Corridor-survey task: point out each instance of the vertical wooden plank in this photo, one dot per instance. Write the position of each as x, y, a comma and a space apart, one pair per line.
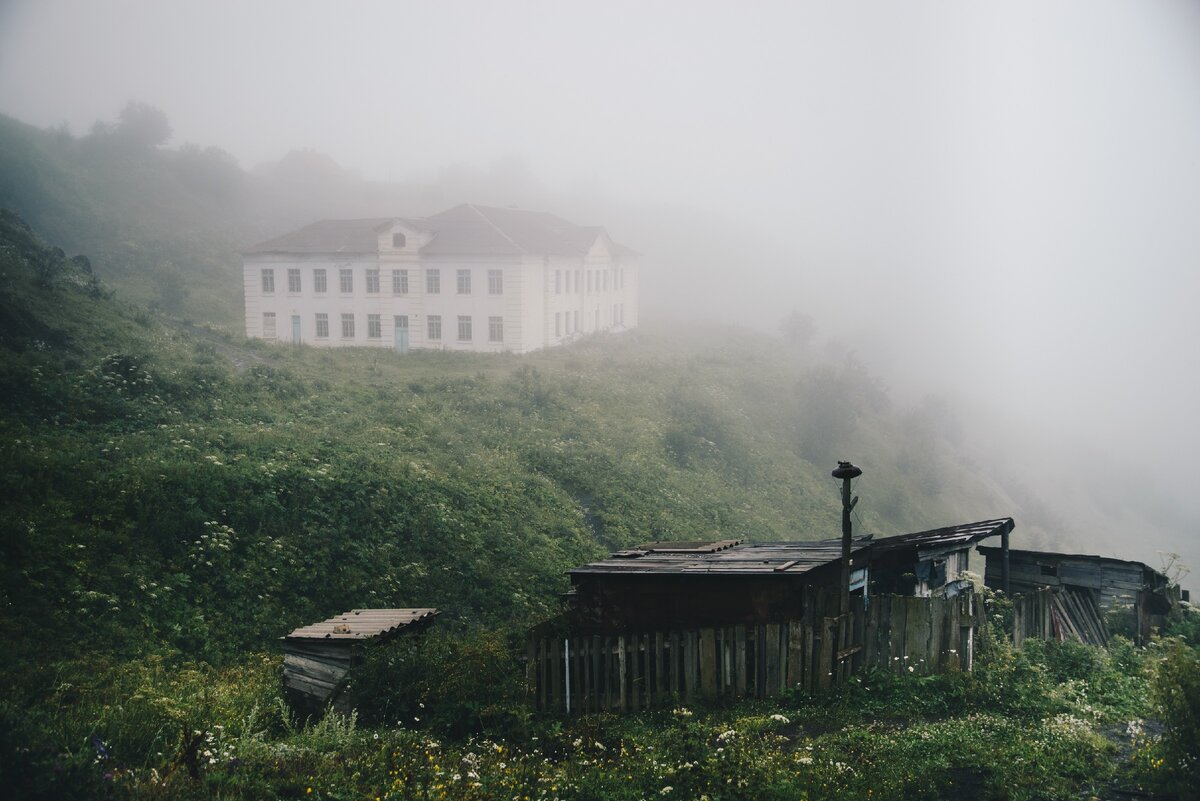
897, 626
937, 627
622, 667
795, 654
871, 635
810, 672
531, 670
726, 661
555, 661
675, 663
691, 655
739, 657
708, 663
597, 676
760, 661
916, 633
610, 673
772, 659
660, 679
636, 677
824, 663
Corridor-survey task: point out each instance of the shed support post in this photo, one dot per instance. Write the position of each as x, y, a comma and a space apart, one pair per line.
1004, 570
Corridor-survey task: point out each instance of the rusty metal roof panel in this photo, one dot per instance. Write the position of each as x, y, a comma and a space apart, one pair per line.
779, 558
362, 624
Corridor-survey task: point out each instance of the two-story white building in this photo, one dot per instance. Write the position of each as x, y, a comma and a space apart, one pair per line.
474, 278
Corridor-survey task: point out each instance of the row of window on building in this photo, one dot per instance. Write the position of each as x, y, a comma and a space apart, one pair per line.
597, 280
571, 318
433, 281
433, 323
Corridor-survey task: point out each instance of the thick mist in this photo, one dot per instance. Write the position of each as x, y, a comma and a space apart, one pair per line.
994, 204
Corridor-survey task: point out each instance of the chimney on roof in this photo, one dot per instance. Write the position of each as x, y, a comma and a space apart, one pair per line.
846, 472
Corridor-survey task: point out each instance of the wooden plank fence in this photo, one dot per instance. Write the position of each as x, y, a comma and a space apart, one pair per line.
1058, 614
578, 673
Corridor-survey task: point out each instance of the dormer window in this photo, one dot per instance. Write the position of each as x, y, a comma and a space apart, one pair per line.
398, 240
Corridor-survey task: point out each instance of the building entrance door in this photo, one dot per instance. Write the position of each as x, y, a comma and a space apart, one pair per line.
401, 333
295, 329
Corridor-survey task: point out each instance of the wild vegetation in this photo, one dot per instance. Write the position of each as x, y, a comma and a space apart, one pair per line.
177, 498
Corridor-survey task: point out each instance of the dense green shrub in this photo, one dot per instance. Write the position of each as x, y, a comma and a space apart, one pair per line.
1177, 701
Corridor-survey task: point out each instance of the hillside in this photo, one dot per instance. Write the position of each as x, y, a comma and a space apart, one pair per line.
168, 495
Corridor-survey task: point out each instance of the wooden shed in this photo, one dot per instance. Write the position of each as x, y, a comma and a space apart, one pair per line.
1085, 582
728, 582
316, 658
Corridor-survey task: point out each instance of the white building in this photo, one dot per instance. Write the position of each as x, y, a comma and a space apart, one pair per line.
472, 278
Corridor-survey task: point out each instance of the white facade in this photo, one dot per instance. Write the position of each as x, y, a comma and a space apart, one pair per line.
403, 296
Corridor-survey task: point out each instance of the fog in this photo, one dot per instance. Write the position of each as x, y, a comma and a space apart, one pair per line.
997, 203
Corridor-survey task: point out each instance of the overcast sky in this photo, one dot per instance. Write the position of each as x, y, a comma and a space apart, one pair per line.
1001, 197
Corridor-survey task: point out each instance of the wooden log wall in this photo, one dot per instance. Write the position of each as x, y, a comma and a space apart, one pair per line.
576, 674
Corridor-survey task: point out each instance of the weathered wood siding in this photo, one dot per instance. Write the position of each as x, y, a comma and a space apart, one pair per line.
576, 672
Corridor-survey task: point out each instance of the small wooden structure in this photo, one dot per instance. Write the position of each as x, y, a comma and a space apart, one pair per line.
715, 619
316, 658
1106, 585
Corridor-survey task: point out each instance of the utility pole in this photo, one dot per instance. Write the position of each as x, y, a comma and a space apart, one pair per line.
846, 472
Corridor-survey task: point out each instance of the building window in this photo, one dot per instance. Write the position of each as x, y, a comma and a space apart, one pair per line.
293, 279
374, 327
578, 282
435, 326
322, 325
464, 282
621, 315
576, 326
401, 321
348, 326
621, 277
319, 281
398, 240
558, 322
495, 282
589, 273
268, 325
433, 282
268, 281
347, 280
464, 328
558, 282
568, 282
399, 282
606, 280
495, 329
372, 282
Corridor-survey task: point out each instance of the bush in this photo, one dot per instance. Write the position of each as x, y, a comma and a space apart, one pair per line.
454, 683
1176, 689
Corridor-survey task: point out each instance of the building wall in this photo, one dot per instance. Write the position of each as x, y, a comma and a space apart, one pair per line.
535, 306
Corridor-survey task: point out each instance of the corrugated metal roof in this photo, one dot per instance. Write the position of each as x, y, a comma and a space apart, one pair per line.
362, 624
788, 558
1014, 552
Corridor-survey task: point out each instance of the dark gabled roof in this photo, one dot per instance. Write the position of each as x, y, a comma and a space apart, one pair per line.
333, 236
949, 537
489, 230
466, 230
362, 624
1078, 557
781, 558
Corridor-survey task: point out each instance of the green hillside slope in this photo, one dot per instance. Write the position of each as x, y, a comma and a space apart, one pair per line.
172, 486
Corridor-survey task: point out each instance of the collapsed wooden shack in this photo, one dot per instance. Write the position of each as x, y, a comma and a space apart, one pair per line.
318, 657
727, 618
1085, 593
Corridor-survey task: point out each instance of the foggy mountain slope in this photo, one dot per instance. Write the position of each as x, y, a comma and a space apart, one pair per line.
470, 482
166, 223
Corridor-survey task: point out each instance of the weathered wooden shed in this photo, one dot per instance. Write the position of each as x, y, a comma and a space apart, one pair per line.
728, 582
316, 658
1084, 582
671, 621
